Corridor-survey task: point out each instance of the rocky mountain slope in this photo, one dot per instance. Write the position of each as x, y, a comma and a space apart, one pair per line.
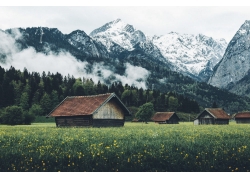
233, 70
191, 55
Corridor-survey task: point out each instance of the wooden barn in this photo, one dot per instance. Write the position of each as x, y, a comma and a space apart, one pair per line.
97, 111
166, 118
242, 118
213, 116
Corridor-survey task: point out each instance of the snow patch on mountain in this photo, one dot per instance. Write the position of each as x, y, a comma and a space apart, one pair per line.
190, 53
118, 32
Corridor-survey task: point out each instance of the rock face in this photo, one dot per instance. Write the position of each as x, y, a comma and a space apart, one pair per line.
235, 64
191, 55
84, 43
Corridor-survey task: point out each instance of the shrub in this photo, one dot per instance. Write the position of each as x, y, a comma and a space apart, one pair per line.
145, 112
28, 118
13, 115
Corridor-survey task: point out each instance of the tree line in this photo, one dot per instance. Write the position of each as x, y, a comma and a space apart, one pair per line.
39, 94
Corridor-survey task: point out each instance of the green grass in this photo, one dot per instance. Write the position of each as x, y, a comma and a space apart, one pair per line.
135, 147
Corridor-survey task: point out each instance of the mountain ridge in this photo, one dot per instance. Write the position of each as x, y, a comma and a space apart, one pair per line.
173, 48
143, 64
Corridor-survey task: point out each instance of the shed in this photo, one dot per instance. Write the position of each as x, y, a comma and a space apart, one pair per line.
166, 118
136, 120
196, 122
213, 116
242, 117
96, 111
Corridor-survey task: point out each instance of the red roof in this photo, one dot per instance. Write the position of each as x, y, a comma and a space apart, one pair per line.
217, 113
82, 105
243, 115
162, 116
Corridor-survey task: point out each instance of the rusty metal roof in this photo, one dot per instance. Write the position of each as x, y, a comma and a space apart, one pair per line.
162, 116
217, 113
83, 105
242, 115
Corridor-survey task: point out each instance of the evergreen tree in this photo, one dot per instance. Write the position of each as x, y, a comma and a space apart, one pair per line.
46, 104
36, 110
214, 105
172, 103
126, 97
54, 99
99, 88
24, 101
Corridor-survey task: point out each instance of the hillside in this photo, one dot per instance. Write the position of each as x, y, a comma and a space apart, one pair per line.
47, 49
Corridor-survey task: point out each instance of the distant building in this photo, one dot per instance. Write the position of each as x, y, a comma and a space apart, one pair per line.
242, 117
196, 122
212, 116
166, 118
137, 120
96, 111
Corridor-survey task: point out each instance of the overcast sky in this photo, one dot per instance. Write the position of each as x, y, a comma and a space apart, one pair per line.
153, 19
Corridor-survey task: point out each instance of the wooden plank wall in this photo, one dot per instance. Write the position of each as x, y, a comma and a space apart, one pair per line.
108, 123
242, 121
73, 121
111, 110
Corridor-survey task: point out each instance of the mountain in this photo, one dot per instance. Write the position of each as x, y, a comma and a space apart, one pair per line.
194, 56
84, 43
119, 33
47, 40
233, 71
191, 55
138, 61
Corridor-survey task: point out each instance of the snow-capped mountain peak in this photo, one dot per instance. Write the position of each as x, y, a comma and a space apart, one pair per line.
192, 55
118, 32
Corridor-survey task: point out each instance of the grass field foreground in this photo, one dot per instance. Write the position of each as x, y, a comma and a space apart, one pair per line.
135, 147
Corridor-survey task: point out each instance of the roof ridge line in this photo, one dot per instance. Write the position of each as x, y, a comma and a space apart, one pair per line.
90, 95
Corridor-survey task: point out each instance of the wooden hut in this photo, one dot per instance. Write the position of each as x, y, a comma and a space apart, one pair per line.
213, 116
166, 118
136, 120
242, 117
96, 111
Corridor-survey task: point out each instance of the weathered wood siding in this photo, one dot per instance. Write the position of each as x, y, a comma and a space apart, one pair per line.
111, 110
221, 121
108, 122
242, 121
173, 120
74, 121
206, 118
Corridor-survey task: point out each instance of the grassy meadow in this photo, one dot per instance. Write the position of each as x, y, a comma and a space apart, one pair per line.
135, 147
